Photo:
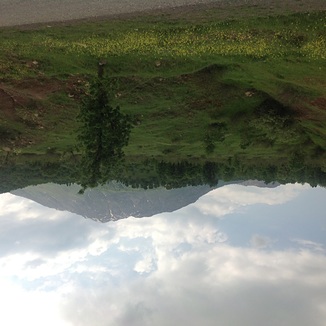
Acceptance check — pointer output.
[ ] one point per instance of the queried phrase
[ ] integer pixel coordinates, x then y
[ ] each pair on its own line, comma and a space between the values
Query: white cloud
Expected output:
260, 242
171, 269
230, 198
21, 307
146, 265
234, 286
21, 207
310, 244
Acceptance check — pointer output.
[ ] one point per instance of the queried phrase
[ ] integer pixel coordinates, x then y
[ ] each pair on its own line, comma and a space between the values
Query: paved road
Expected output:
19, 12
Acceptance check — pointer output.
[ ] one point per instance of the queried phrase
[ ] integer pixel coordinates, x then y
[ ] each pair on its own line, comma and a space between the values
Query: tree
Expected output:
103, 133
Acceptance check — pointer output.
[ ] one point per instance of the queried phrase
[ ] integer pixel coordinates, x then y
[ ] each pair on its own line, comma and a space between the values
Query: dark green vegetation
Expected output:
206, 89
152, 173
104, 132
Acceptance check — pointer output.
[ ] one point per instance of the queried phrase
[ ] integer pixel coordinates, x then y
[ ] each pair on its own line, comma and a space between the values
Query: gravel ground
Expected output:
21, 12
28, 12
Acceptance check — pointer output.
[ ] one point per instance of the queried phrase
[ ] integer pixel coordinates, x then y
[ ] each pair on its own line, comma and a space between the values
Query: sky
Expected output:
238, 256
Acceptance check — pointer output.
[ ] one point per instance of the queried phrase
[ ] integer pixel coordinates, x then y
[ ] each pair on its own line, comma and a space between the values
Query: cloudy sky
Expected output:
238, 256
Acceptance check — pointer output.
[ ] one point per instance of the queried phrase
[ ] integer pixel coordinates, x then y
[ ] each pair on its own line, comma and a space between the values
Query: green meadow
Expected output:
211, 88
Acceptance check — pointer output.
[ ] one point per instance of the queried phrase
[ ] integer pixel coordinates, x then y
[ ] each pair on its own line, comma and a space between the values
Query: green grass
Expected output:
61, 51
177, 78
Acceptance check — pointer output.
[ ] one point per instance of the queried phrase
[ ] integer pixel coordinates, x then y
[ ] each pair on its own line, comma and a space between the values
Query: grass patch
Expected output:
181, 81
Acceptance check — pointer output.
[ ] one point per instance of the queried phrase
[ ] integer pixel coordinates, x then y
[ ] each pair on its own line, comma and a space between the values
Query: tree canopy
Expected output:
103, 134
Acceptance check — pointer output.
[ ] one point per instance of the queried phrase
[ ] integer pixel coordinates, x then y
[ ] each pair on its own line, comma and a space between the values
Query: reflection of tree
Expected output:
103, 133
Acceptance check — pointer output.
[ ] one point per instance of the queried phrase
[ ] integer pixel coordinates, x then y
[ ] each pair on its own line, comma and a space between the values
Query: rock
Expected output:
249, 94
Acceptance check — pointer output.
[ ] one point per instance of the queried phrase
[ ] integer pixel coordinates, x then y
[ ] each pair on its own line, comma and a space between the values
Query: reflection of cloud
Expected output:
260, 242
228, 199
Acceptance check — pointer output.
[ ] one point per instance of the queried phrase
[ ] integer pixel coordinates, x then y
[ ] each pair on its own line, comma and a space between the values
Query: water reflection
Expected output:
240, 255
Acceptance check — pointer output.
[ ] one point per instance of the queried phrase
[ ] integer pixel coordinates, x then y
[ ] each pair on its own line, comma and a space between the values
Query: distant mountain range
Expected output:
115, 201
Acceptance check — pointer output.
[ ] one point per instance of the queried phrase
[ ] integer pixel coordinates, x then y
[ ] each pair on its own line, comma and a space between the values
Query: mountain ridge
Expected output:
115, 201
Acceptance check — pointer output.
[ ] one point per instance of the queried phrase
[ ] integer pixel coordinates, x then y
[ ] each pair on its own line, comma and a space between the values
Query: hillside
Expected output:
208, 82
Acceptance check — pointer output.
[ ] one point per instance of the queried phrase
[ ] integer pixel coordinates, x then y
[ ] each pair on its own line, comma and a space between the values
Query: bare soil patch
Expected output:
7, 104
22, 106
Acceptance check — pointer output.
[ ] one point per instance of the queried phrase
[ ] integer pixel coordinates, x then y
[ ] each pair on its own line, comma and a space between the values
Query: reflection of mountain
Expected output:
115, 200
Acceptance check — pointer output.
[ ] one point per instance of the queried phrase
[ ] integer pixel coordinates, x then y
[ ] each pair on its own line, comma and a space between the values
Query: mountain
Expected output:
115, 201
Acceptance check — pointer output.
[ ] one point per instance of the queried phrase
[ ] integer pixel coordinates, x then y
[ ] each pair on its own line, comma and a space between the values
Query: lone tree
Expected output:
103, 133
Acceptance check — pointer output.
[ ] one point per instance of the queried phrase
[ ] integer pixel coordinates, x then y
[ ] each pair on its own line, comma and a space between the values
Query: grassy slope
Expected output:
180, 78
